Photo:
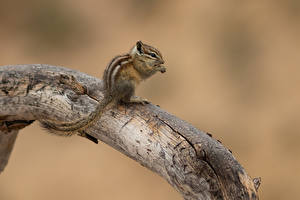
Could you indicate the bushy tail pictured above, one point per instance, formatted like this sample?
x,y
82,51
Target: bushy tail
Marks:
x,y
70,128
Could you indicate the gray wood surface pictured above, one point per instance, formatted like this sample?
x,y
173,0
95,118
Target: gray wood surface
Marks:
x,y
194,163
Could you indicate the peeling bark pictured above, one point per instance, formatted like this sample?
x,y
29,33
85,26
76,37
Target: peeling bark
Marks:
x,y
194,163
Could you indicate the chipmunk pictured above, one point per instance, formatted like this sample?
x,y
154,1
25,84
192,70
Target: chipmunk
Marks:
x,y
120,77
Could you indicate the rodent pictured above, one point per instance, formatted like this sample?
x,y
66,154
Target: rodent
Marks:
x,y
121,77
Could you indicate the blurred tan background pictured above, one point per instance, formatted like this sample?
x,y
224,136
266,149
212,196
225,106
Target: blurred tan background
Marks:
x,y
233,70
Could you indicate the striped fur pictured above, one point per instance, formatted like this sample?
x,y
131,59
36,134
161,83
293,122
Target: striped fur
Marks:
x,y
149,49
113,68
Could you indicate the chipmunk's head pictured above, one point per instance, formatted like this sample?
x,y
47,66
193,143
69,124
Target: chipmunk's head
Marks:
x,y
147,59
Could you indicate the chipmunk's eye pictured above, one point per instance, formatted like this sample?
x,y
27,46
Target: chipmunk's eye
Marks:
x,y
153,55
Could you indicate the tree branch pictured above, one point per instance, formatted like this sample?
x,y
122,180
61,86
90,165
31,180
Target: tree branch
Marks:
x,y
195,164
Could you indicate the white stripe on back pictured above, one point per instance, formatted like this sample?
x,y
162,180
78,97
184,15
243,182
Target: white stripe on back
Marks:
x,y
112,76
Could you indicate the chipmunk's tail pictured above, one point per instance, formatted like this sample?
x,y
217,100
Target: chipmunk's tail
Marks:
x,y
72,128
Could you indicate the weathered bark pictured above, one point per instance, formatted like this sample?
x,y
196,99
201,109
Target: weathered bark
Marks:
x,y
195,164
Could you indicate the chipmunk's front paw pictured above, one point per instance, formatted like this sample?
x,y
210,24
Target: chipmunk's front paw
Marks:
x,y
139,100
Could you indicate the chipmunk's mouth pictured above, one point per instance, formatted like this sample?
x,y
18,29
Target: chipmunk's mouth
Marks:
x,y
162,69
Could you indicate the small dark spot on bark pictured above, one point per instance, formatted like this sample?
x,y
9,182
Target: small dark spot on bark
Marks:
x,y
61,92
141,131
29,86
151,133
181,149
149,150
150,141
173,159
137,141
209,134
6,92
137,153
184,167
113,114
177,145
162,154
63,77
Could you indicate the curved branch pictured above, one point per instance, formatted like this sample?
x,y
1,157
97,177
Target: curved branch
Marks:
x,y
195,164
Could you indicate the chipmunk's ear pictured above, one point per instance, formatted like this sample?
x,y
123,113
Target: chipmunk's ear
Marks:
x,y
139,47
